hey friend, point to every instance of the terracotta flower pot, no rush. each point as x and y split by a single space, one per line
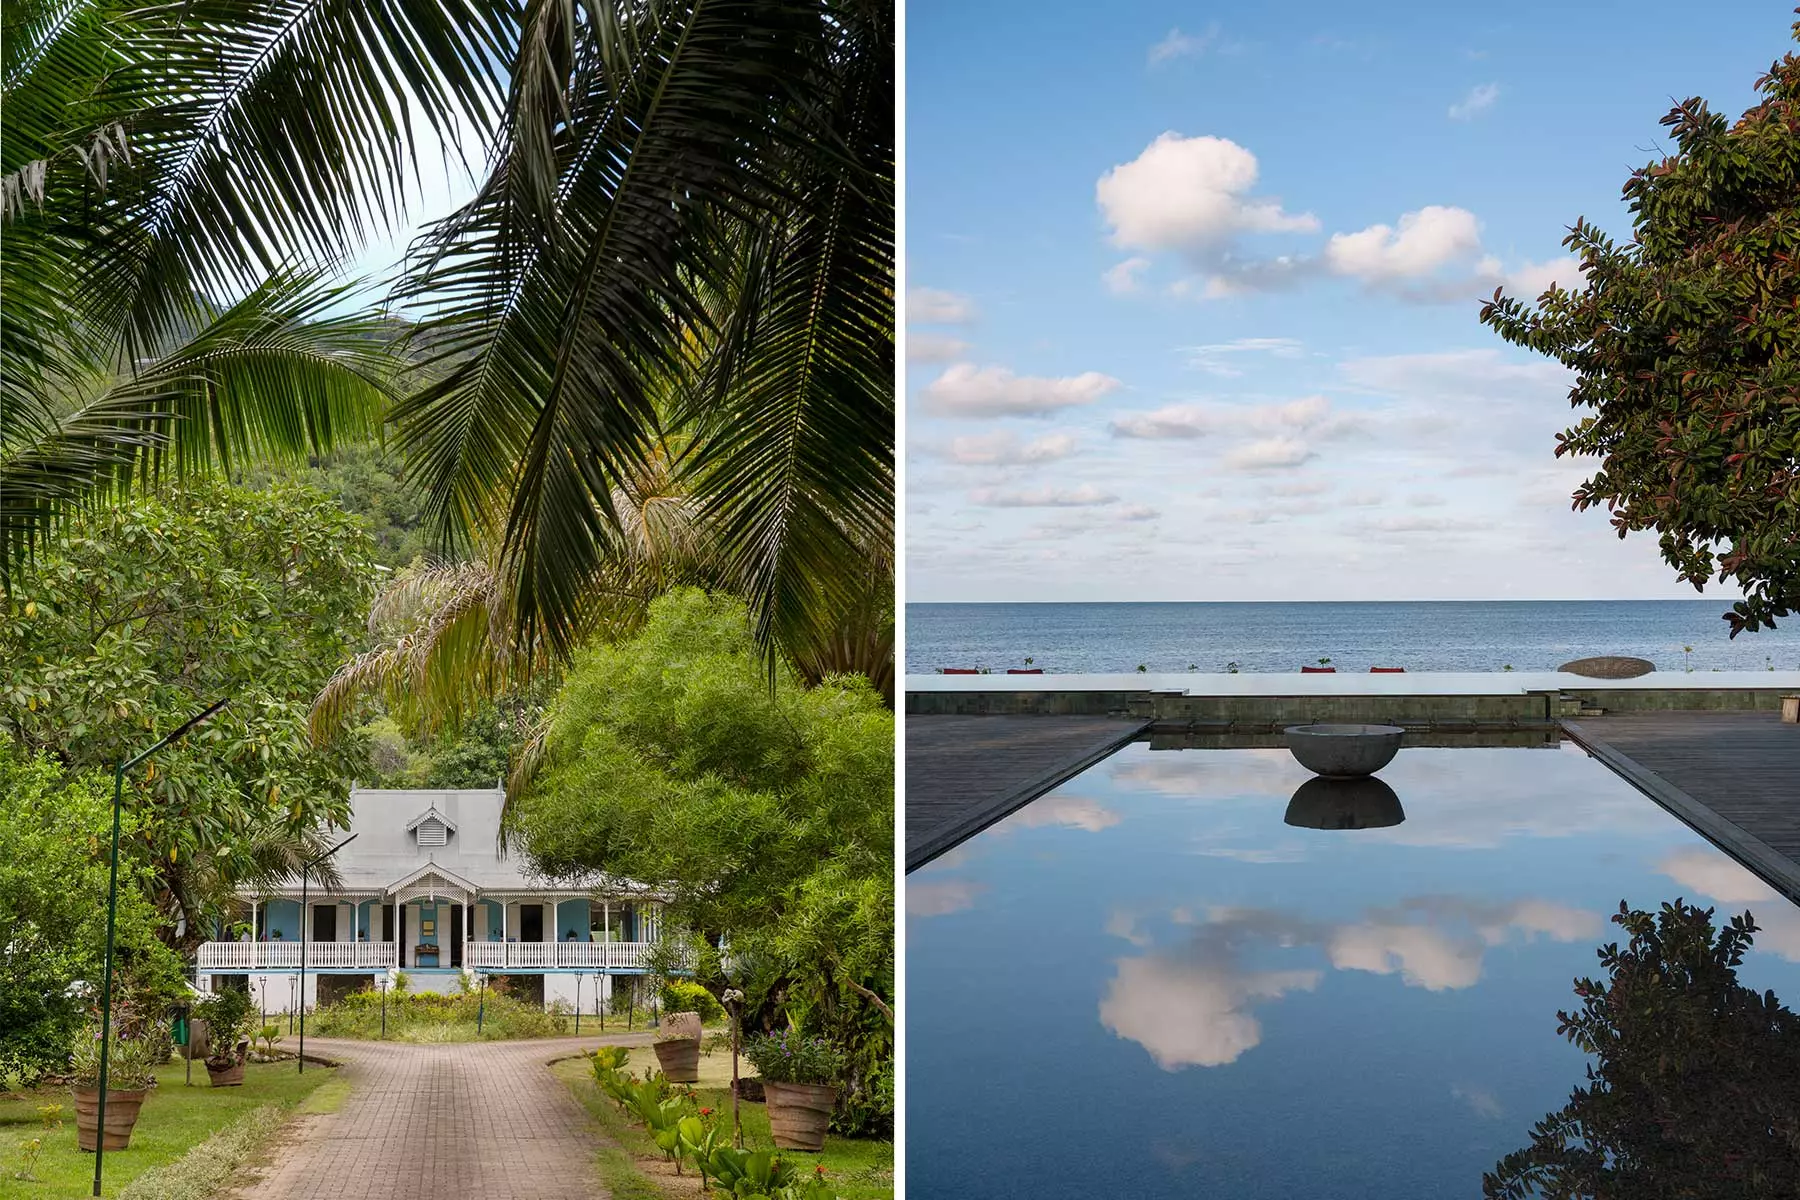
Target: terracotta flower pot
680 1060
231 1076
799 1113
121 1115
683 1024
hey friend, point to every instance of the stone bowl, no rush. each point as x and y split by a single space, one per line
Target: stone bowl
1608 666
1344 751
1361 803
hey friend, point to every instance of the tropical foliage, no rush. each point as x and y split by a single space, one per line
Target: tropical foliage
55 837
1683 344
689 228
765 815
141 614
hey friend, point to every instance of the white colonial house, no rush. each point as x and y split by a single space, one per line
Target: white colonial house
424 888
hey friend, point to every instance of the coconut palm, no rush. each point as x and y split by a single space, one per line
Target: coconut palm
176 179
688 228
686 231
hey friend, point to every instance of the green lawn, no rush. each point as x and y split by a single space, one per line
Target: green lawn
175 1118
860 1169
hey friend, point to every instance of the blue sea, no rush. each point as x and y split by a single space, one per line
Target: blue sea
1482 635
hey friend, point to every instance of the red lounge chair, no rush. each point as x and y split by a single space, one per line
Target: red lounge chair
1387 670
1024 670
959 670
1318 670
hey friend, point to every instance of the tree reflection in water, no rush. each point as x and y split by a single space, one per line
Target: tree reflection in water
1696 1091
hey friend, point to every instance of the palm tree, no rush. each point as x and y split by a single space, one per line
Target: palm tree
688 229
176 180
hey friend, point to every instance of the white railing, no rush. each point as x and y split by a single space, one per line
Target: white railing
573 956
231 957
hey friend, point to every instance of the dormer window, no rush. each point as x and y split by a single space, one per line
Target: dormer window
431 828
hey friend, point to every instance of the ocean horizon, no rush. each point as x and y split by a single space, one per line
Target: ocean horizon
1283 636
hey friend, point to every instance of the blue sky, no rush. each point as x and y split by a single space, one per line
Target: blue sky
1192 290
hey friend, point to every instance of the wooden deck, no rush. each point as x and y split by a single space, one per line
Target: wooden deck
1734 776
965 773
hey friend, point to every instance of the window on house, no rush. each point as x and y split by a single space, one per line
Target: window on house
432 832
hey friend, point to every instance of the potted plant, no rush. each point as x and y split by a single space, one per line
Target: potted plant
130 1074
227 1017
678 1047
800 1077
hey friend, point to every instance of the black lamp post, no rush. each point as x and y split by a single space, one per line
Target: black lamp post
306 866
112 914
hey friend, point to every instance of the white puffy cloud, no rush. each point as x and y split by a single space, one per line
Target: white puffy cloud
1190 194
1269 454
933 306
940 898
934 347
1124 278
1138 512
1187 421
1069 812
1711 874
1083 496
1530 280
1004 449
1191 1005
1194 1010
1481 97
965 390
1426 241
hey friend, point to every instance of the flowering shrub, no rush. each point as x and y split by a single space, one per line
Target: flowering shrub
789 1058
130 1066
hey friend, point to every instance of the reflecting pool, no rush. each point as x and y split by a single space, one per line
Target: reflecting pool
1204 973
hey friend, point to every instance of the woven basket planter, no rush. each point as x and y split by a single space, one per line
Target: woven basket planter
799 1113
680 1060
121 1115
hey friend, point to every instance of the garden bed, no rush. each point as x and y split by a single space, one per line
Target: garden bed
858 1168
176 1118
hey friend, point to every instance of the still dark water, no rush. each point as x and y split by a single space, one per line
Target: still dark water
1420 636
1160 980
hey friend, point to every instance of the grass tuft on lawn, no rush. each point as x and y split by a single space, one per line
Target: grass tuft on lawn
176 1119
859 1168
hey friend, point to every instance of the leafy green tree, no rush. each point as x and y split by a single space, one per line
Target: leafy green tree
764 814
1685 344
1694 1093
139 614
371 484
55 835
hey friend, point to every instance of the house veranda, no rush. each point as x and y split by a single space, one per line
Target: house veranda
425 889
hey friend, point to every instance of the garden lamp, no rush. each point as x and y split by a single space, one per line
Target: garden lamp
112 913
306 866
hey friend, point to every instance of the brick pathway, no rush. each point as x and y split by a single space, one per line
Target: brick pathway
483 1119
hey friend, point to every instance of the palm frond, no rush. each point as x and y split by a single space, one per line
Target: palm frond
571 305
274 376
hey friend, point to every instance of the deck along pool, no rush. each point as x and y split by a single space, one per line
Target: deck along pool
1148 983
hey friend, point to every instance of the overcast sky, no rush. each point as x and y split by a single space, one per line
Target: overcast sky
1193 295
